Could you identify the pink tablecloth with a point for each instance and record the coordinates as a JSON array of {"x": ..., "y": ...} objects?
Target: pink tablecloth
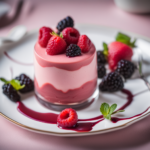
[{"x": 103, "y": 12}]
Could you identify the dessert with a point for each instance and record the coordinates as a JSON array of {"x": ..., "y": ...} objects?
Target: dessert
[
  {"x": 66, "y": 69},
  {"x": 63, "y": 80}
]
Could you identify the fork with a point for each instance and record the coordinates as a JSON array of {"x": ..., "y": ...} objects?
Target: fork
[{"x": 140, "y": 62}]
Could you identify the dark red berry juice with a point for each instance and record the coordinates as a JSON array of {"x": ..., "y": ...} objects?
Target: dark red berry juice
[{"x": 82, "y": 124}]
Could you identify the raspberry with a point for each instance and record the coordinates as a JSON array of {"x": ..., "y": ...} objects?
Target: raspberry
[
  {"x": 73, "y": 50},
  {"x": 25, "y": 80},
  {"x": 44, "y": 36},
  {"x": 66, "y": 22},
  {"x": 56, "y": 45},
  {"x": 67, "y": 118},
  {"x": 125, "y": 68},
  {"x": 100, "y": 57},
  {"x": 101, "y": 70},
  {"x": 84, "y": 43},
  {"x": 116, "y": 52},
  {"x": 111, "y": 82},
  {"x": 70, "y": 35},
  {"x": 10, "y": 92}
]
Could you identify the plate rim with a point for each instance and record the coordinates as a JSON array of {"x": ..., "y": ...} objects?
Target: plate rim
[{"x": 89, "y": 132}]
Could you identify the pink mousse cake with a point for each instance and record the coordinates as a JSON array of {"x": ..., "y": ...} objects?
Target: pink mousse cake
[{"x": 63, "y": 80}]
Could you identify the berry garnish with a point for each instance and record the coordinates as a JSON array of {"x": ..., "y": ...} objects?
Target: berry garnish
[
  {"x": 118, "y": 51},
  {"x": 44, "y": 36},
  {"x": 10, "y": 89},
  {"x": 70, "y": 35},
  {"x": 66, "y": 22},
  {"x": 107, "y": 110},
  {"x": 25, "y": 80},
  {"x": 125, "y": 68},
  {"x": 67, "y": 118},
  {"x": 84, "y": 43},
  {"x": 15, "y": 83},
  {"x": 101, "y": 70},
  {"x": 56, "y": 45},
  {"x": 73, "y": 50},
  {"x": 10, "y": 92},
  {"x": 123, "y": 38},
  {"x": 111, "y": 82},
  {"x": 101, "y": 57}
]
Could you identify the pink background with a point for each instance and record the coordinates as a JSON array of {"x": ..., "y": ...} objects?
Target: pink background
[{"x": 102, "y": 12}]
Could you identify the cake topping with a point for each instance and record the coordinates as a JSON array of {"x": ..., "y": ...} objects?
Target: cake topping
[
  {"x": 10, "y": 89},
  {"x": 25, "y": 80},
  {"x": 56, "y": 44},
  {"x": 66, "y": 22},
  {"x": 21, "y": 83},
  {"x": 84, "y": 43},
  {"x": 101, "y": 57},
  {"x": 70, "y": 35},
  {"x": 118, "y": 51},
  {"x": 125, "y": 68},
  {"x": 44, "y": 36},
  {"x": 67, "y": 118},
  {"x": 107, "y": 110},
  {"x": 73, "y": 50},
  {"x": 101, "y": 70},
  {"x": 10, "y": 92},
  {"x": 111, "y": 82}
]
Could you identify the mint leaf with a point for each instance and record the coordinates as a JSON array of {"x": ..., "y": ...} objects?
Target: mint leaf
[
  {"x": 4, "y": 80},
  {"x": 121, "y": 37},
  {"x": 108, "y": 117},
  {"x": 55, "y": 34},
  {"x": 104, "y": 109},
  {"x": 112, "y": 108},
  {"x": 118, "y": 111},
  {"x": 105, "y": 50},
  {"x": 61, "y": 35},
  {"x": 107, "y": 110},
  {"x": 105, "y": 47},
  {"x": 16, "y": 84}
]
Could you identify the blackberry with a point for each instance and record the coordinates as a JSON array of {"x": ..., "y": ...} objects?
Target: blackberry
[
  {"x": 111, "y": 82},
  {"x": 66, "y": 22},
  {"x": 73, "y": 50},
  {"x": 125, "y": 68},
  {"x": 100, "y": 57},
  {"x": 25, "y": 80},
  {"x": 10, "y": 92},
  {"x": 101, "y": 70}
]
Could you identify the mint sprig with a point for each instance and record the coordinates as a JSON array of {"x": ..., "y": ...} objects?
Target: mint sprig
[
  {"x": 15, "y": 83},
  {"x": 105, "y": 50},
  {"x": 121, "y": 37},
  {"x": 107, "y": 110},
  {"x": 55, "y": 34}
]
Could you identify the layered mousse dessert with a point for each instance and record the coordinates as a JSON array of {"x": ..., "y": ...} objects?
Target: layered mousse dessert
[{"x": 65, "y": 66}]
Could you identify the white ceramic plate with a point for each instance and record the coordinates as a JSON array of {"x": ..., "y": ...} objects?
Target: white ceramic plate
[{"x": 23, "y": 52}]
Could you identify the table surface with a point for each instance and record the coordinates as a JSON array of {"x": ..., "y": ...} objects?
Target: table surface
[{"x": 101, "y": 12}]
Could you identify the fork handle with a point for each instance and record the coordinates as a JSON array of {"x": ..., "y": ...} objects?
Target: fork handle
[{"x": 146, "y": 82}]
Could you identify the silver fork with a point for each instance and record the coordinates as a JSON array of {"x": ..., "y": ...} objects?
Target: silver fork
[{"x": 140, "y": 62}]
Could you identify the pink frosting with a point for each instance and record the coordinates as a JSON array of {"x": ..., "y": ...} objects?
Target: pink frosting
[{"x": 61, "y": 61}]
